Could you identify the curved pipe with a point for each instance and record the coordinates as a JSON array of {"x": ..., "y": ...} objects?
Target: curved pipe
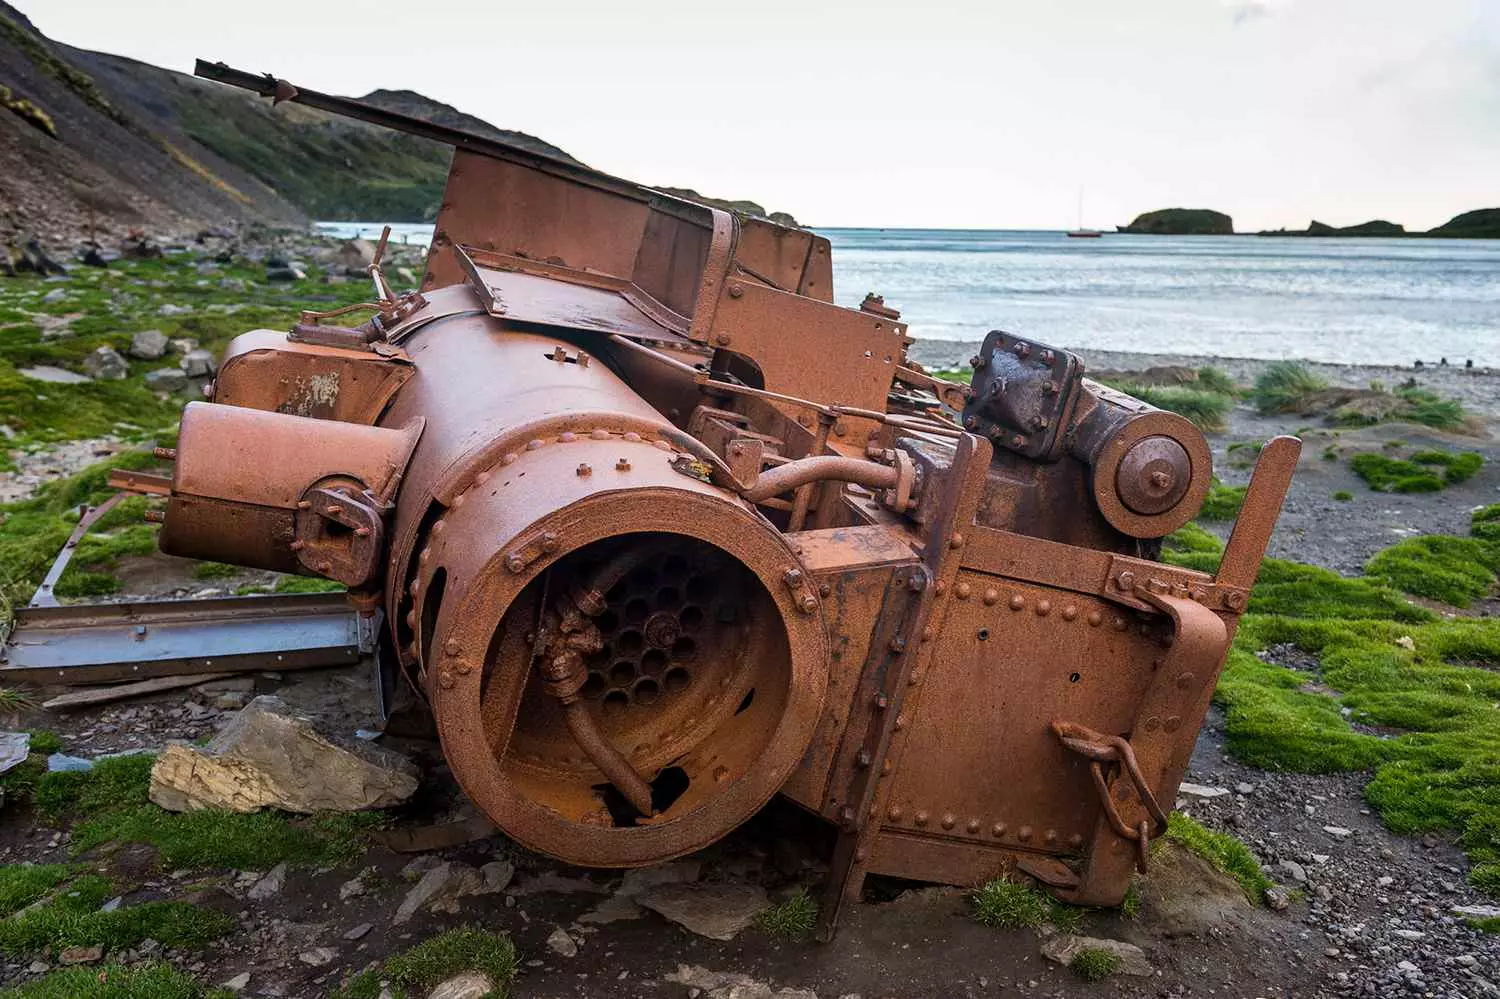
[
  {"x": 603, "y": 754},
  {"x": 820, "y": 468}
]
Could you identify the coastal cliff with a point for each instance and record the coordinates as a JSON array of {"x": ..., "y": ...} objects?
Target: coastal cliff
[{"x": 1182, "y": 222}]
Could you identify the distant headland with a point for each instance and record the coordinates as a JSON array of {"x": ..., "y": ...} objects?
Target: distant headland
[{"x": 1482, "y": 223}]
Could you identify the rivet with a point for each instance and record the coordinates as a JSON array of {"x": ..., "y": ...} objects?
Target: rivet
[
  {"x": 860, "y": 854},
  {"x": 1184, "y": 681},
  {"x": 940, "y": 587},
  {"x": 997, "y": 830},
  {"x": 515, "y": 563},
  {"x": 460, "y": 499},
  {"x": 509, "y": 458},
  {"x": 824, "y": 589},
  {"x": 1172, "y": 724},
  {"x": 482, "y": 477},
  {"x": 463, "y": 668},
  {"x": 885, "y": 768},
  {"x": 584, "y": 469},
  {"x": 439, "y": 526},
  {"x": 425, "y": 556},
  {"x": 1050, "y": 836},
  {"x": 333, "y": 509},
  {"x": 957, "y": 541},
  {"x": 549, "y": 541},
  {"x": 567, "y": 437},
  {"x": 962, "y": 591},
  {"x": 973, "y": 826},
  {"x": 1125, "y": 580},
  {"x": 533, "y": 444},
  {"x": 445, "y": 679},
  {"x": 304, "y": 504},
  {"x": 863, "y": 759},
  {"x": 722, "y": 339},
  {"x": 1075, "y": 840},
  {"x": 661, "y": 445},
  {"x": 920, "y": 819},
  {"x": 599, "y": 434},
  {"x": 1119, "y": 624},
  {"x": 411, "y": 619},
  {"x": 1023, "y": 834},
  {"x": 991, "y": 596},
  {"x": 1153, "y": 723},
  {"x": 898, "y": 644},
  {"x": 1017, "y": 602},
  {"x": 807, "y": 603},
  {"x": 452, "y": 646},
  {"x": 736, "y": 290},
  {"x": 632, "y": 436},
  {"x": 881, "y": 702},
  {"x": 792, "y": 578},
  {"x": 1043, "y": 608},
  {"x": 927, "y": 633},
  {"x": 900, "y": 723},
  {"x": 948, "y": 821},
  {"x": 1095, "y": 619},
  {"x": 297, "y": 545},
  {"x": 914, "y": 679},
  {"x": 1070, "y": 612}
]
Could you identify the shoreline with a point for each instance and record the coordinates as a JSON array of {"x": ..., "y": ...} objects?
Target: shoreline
[{"x": 1478, "y": 388}]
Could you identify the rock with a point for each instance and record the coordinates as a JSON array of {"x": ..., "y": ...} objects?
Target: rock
[
  {"x": 1064, "y": 947},
  {"x": 63, "y": 763},
  {"x": 406, "y": 277},
  {"x": 287, "y": 273},
  {"x": 1406, "y": 642},
  {"x": 357, "y": 885},
  {"x": 318, "y": 956},
  {"x": 81, "y": 955},
  {"x": 38, "y": 967},
  {"x": 561, "y": 944},
  {"x": 198, "y": 363},
  {"x": 137, "y": 246},
  {"x": 469, "y": 985},
  {"x": 640, "y": 879},
  {"x": 149, "y": 345},
  {"x": 612, "y": 910},
  {"x": 1338, "y": 832},
  {"x": 357, "y": 253},
  {"x": 183, "y": 344},
  {"x": 701, "y": 982},
  {"x": 1243, "y": 788},
  {"x": 1409, "y": 934},
  {"x": 267, "y": 758},
  {"x": 54, "y": 296},
  {"x": 716, "y": 911},
  {"x": 1477, "y": 911},
  {"x": 1384, "y": 881},
  {"x": 268, "y": 885},
  {"x": 106, "y": 364},
  {"x": 231, "y": 700},
  {"x": 173, "y": 310},
  {"x": 14, "y": 748},
  {"x": 414, "y": 870},
  {"x": 439, "y": 890},
  {"x": 57, "y": 376},
  {"x": 1277, "y": 898},
  {"x": 167, "y": 380},
  {"x": 238, "y": 983},
  {"x": 1295, "y": 870},
  {"x": 1201, "y": 790},
  {"x": 355, "y": 932},
  {"x": 93, "y": 256},
  {"x": 35, "y": 260},
  {"x": 497, "y": 875},
  {"x": 1182, "y": 222}
]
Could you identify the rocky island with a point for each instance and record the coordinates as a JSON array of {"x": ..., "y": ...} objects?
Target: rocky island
[{"x": 1182, "y": 222}]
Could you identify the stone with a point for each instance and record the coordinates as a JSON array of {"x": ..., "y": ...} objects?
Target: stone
[
  {"x": 173, "y": 310},
  {"x": 149, "y": 345},
  {"x": 1409, "y": 934},
  {"x": 356, "y": 253},
  {"x": 93, "y": 256},
  {"x": 198, "y": 363},
  {"x": 81, "y": 955},
  {"x": 167, "y": 380},
  {"x": 139, "y": 247},
  {"x": 716, "y": 911},
  {"x": 287, "y": 273},
  {"x": 406, "y": 276},
  {"x": 1338, "y": 832},
  {"x": 1201, "y": 790},
  {"x": 705, "y": 984},
  {"x": 63, "y": 763},
  {"x": 183, "y": 344},
  {"x": 55, "y": 375},
  {"x": 267, "y": 758},
  {"x": 497, "y": 875},
  {"x": 238, "y": 983},
  {"x": 1295, "y": 870},
  {"x": 1384, "y": 881},
  {"x": 1277, "y": 898},
  {"x": 231, "y": 700},
  {"x": 38, "y": 967},
  {"x": 469, "y": 985},
  {"x": 357, "y": 885},
  {"x": 439, "y": 890},
  {"x": 1243, "y": 788},
  {"x": 1406, "y": 642},
  {"x": 355, "y": 932},
  {"x": 561, "y": 944},
  {"x": 414, "y": 869},
  {"x": 268, "y": 885},
  {"x": 36, "y": 260},
  {"x": 1064, "y": 947},
  {"x": 14, "y": 748},
  {"x": 54, "y": 296},
  {"x": 318, "y": 956},
  {"x": 1477, "y": 911},
  {"x": 106, "y": 364}
]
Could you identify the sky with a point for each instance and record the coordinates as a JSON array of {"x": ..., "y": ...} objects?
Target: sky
[{"x": 921, "y": 113}]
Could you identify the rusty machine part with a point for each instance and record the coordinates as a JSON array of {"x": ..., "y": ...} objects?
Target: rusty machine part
[{"x": 659, "y": 530}]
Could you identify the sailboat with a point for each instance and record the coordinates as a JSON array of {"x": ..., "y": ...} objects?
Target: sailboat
[{"x": 1081, "y": 232}]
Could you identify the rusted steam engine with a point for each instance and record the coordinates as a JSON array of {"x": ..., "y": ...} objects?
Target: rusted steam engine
[{"x": 659, "y": 531}]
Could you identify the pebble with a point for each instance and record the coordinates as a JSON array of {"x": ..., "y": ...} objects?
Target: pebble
[
  {"x": 318, "y": 956},
  {"x": 1338, "y": 832},
  {"x": 238, "y": 982},
  {"x": 356, "y": 932},
  {"x": 561, "y": 943}
]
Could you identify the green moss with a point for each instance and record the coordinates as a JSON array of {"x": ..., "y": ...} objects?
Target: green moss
[
  {"x": 1223, "y": 851},
  {"x": 46, "y": 741},
  {"x": 58, "y": 925},
  {"x": 792, "y": 919},
  {"x": 148, "y": 981},
  {"x": 1488, "y": 924},
  {"x": 1485, "y": 522},
  {"x": 1426, "y": 472},
  {"x": 112, "y": 805},
  {"x": 1008, "y": 905},
  {"x": 1343, "y": 495},
  {"x": 215, "y": 570},
  {"x": 1285, "y": 387},
  {"x": 1223, "y": 502},
  {"x": 1094, "y": 965},
  {"x": 1130, "y": 905},
  {"x": 417, "y": 970},
  {"x": 1456, "y": 571},
  {"x": 306, "y": 584}
]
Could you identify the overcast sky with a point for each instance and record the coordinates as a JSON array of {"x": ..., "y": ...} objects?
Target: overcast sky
[{"x": 921, "y": 112}]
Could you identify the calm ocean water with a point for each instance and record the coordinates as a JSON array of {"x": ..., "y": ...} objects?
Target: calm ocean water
[{"x": 1363, "y": 301}]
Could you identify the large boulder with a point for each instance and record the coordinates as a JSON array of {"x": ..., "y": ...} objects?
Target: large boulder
[
  {"x": 1182, "y": 222},
  {"x": 106, "y": 364},
  {"x": 268, "y": 758},
  {"x": 356, "y": 254},
  {"x": 149, "y": 345}
]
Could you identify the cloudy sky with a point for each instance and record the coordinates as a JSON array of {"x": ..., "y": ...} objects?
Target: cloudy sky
[{"x": 933, "y": 113}]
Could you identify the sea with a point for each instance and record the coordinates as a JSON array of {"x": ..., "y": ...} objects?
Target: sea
[{"x": 1340, "y": 301}]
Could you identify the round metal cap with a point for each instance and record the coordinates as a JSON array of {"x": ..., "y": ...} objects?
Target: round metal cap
[{"x": 1154, "y": 475}]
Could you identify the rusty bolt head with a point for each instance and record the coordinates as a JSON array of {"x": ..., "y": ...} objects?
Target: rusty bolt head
[
  {"x": 722, "y": 339},
  {"x": 549, "y": 541},
  {"x": 956, "y": 541},
  {"x": 792, "y": 578},
  {"x": 515, "y": 563},
  {"x": 863, "y": 759},
  {"x": 361, "y": 532},
  {"x": 920, "y": 818},
  {"x": 736, "y": 290},
  {"x": 445, "y": 680},
  {"x": 623, "y": 465},
  {"x": 297, "y": 545},
  {"x": 1017, "y": 440},
  {"x": 881, "y": 702},
  {"x": 898, "y": 644},
  {"x": 807, "y": 603},
  {"x": 976, "y": 361},
  {"x": 1235, "y": 600},
  {"x": 584, "y": 469},
  {"x": 452, "y": 647},
  {"x": 1040, "y": 423},
  {"x": 1125, "y": 580}
]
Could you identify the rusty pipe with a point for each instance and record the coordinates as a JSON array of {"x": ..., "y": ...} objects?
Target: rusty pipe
[
  {"x": 603, "y": 754},
  {"x": 821, "y": 468}
]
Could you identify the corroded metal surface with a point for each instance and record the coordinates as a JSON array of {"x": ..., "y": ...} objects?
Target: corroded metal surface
[{"x": 660, "y": 531}]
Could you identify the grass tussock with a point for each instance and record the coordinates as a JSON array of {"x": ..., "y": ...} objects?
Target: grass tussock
[
  {"x": 1010, "y": 905},
  {"x": 1484, "y": 523},
  {"x": 417, "y": 970},
  {"x": 792, "y": 919},
  {"x": 1286, "y": 387},
  {"x": 1457, "y": 571},
  {"x": 1223, "y": 851},
  {"x": 1094, "y": 965},
  {"x": 1405, "y": 405},
  {"x": 1223, "y": 502},
  {"x": 1206, "y": 409},
  {"x": 112, "y": 981}
]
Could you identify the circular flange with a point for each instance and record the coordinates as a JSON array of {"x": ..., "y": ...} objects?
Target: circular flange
[
  {"x": 1156, "y": 432},
  {"x": 1153, "y": 475}
]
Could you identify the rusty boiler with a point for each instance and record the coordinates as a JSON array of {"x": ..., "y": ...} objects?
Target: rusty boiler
[{"x": 658, "y": 531}]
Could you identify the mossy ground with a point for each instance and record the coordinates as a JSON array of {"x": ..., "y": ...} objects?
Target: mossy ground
[
  {"x": 413, "y": 972},
  {"x": 791, "y": 919},
  {"x": 1223, "y": 851},
  {"x": 1400, "y": 691},
  {"x": 150, "y": 981},
  {"x": 1426, "y": 471}
]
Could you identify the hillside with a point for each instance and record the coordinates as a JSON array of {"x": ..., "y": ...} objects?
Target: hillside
[
  {"x": 1182, "y": 222},
  {"x": 101, "y": 143}
]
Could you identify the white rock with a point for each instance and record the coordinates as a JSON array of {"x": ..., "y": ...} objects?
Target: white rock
[
  {"x": 1295, "y": 870},
  {"x": 469, "y": 985},
  {"x": 1338, "y": 832},
  {"x": 1201, "y": 790},
  {"x": 148, "y": 345},
  {"x": 357, "y": 885},
  {"x": 1477, "y": 911},
  {"x": 1384, "y": 881},
  {"x": 355, "y": 932},
  {"x": 1409, "y": 934},
  {"x": 1064, "y": 947},
  {"x": 318, "y": 956},
  {"x": 268, "y": 885},
  {"x": 562, "y": 944},
  {"x": 497, "y": 876},
  {"x": 1243, "y": 788},
  {"x": 106, "y": 364},
  {"x": 716, "y": 911},
  {"x": 1321, "y": 858},
  {"x": 699, "y": 981},
  {"x": 1407, "y": 966},
  {"x": 238, "y": 983},
  {"x": 1405, "y": 641}
]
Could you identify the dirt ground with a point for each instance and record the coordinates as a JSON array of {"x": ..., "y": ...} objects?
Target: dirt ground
[{"x": 1372, "y": 913}]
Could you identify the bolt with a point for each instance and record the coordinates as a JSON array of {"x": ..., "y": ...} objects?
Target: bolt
[
  {"x": 736, "y": 290},
  {"x": 898, "y": 644},
  {"x": 1125, "y": 580},
  {"x": 792, "y": 578},
  {"x": 976, "y": 361},
  {"x": 361, "y": 532},
  {"x": 623, "y": 465},
  {"x": 549, "y": 541},
  {"x": 863, "y": 759},
  {"x": 1023, "y": 350},
  {"x": 1040, "y": 423},
  {"x": 807, "y": 603},
  {"x": 165, "y": 453},
  {"x": 304, "y": 504},
  {"x": 957, "y": 541},
  {"x": 325, "y": 566},
  {"x": 154, "y": 517},
  {"x": 515, "y": 563},
  {"x": 1161, "y": 479},
  {"x": 445, "y": 679},
  {"x": 882, "y": 702},
  {"x": 452, "y": 646},
  {"x": 584, "y": 469},
  {"x": 1017, "y": 441},
  {"x": 722, "y": 339}
]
